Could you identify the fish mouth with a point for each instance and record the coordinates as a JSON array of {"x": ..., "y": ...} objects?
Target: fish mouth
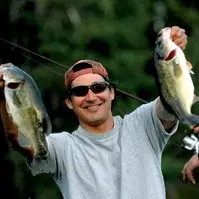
[
  {"x": 171, "y": 55},
  {"x": 15, "y": 85}
]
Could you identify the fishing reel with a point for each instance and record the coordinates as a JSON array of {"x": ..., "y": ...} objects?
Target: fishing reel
[{"x": 191, "y": 142}]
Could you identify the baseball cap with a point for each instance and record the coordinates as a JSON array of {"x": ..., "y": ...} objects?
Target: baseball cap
[{"x": 82, "y": 67}]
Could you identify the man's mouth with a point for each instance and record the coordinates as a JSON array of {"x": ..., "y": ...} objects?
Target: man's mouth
[{"x": 93, "y": 107}]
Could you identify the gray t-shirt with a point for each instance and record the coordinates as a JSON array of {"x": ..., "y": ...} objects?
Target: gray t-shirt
[{"x": 123, "y": 163}]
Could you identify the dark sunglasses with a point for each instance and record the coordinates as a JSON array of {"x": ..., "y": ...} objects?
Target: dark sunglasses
[{"x": 96, "y": 88}]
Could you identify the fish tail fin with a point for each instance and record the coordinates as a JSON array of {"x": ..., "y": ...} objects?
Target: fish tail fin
[{"x": 191, "y": 120}]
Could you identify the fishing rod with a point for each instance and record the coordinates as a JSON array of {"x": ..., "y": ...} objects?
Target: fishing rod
[{"x": 64, "y": 66}]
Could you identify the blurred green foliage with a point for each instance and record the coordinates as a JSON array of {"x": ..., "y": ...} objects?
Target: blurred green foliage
[{"x": 121, "y": 35}]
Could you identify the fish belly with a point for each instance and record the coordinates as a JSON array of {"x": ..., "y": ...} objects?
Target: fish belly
[
  {"x": 178, "y": 92},
  {"x": 30, "y": 130}
]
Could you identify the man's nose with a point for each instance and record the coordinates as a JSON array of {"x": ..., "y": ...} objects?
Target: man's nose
[{"x": 90, "y": 95}]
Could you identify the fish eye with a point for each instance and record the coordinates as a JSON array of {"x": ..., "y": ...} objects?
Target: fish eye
[
  {"x": 13, "y": 85},
  {"x": 159, "y": 34},
  {"x": 159, "y": 43}
]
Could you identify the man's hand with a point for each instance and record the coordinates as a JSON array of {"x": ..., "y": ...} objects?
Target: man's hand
[
  {"x": 179, "y": 36},
  {"x": 189, "y": 167},
  {"x": 1, "y": 81}
]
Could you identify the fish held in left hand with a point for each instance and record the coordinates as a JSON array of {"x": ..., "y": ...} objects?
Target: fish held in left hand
[
  {"x": 25, "y": 107},
  {"x": 174, "y": 78}
]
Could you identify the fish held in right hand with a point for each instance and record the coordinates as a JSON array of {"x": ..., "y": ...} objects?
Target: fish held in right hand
[{"x": 174, "y": 78}]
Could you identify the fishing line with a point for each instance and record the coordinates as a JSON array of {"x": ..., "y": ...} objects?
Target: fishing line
[
  {"x": 40, "y": 64},
  {"x": 131, "y": 96},
  {"x": 33, "y": 53},
  {"x": 61, "y": 65}
]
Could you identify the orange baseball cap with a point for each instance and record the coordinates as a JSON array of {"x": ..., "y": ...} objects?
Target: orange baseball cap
[{"x": 82, "y": 67}]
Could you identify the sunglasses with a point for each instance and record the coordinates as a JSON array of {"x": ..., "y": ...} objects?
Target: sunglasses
[{"x": 96, "y": 88}]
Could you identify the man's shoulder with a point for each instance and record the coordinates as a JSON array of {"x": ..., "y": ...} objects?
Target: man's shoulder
[
  {"x": 60, "y": 136},
  {"x": 141, "y": 112}
]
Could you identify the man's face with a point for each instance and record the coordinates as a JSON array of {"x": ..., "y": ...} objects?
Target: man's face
[{"x": 91, "y": 109}]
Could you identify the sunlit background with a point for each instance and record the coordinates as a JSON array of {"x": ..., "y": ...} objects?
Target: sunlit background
[{"x": 45, "y": 37}]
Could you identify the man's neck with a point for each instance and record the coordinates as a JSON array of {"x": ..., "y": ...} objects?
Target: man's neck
[{"x": 99, "y": 128}]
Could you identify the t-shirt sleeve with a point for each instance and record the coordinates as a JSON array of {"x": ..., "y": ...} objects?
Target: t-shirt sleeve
[
  {"x": 150, "y": 125},
  {"x": 157, "y": 134},
  {"x": 55, "y": 156}
]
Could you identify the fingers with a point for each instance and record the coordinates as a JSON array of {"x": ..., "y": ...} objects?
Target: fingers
[
  {"x": 177, "y": 31},
  {"x": 183, "y": 175},
  {"x": 179, "y": 36},
  {"x": 1, "y": 84},
  {"x": 181, "y": 41},
  {"x": 1, "y": 81},
  {"x": 189, "y": 167},
  {"x": 196, "y": 129},
  {"x": 188, "y": 174}
]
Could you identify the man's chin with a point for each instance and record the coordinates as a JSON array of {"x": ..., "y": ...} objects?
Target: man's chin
[{"x": 95, "y": 122}]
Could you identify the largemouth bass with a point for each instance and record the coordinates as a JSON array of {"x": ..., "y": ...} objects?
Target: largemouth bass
[
  {"x": 26, "y": 109},
  {"x": 174, "y": 78}
]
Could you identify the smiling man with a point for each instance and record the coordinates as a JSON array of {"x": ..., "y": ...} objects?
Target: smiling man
[
  {"x": 106, "y": 157},
  {"x": 90, "y": 95}
]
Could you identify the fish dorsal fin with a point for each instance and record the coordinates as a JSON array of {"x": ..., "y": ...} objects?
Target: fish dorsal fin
[
  {"x": 195, "y": 99},
  {"x": 189, "y": 66}
]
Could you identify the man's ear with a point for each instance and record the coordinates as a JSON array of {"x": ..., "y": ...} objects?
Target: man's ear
[
  {"x": 112, "y": 94},
  {"x": 68, "y": 103}
]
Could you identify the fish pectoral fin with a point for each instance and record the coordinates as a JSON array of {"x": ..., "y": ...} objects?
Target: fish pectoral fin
[
  {"x": 23, "y": 141},
  {"x": 189, "y": 66},
  {"x": 177, "y": 69}
]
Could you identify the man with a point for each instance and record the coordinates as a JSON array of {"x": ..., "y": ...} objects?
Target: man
[{"x": 106, "y": 157}]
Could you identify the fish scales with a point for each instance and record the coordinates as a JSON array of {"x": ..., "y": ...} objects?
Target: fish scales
[
  {"x": 168, "y": 81},
  {"x": 35, "y": 130},
  {"x": 38, "y": 128},
  {"x": 26, "y": 109}
]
